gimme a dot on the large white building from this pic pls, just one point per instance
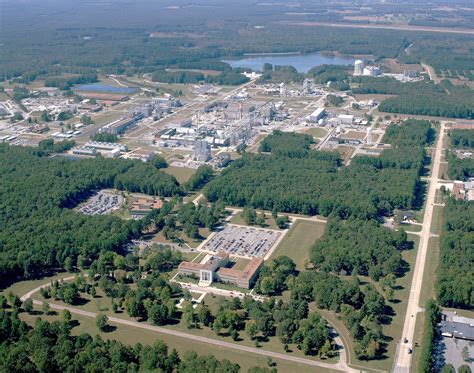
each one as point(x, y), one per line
point(317, 114)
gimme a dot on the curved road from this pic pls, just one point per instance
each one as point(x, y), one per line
point(340, 366)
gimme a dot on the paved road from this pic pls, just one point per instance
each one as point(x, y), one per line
point(340, 366)
point(404, 358)
point(388, 27)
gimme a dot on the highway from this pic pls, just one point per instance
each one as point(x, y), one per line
point(403, 360)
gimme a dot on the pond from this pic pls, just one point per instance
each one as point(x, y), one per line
point(103, 88)
point(302, 62)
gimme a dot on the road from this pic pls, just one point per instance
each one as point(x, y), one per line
point(404, 358)
point(340, 366)
point(387, 27)
point(431, 72)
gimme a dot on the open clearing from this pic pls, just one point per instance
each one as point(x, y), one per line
point(299, 240)
point(182, 174)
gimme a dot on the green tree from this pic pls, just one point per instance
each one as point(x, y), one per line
point(101, 321)
point(28, 305)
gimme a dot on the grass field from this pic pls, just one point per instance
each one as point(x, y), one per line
point(299, 240)
point(269, 221)
point(437, 222)
point(181, 174)
point(130, 336)
point(319, 133)
point(411, 228)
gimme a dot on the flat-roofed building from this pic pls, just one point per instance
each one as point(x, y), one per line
point(206, 270)
point(242, 278)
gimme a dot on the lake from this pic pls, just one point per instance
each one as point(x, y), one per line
point(302, 62)
point(103, 88)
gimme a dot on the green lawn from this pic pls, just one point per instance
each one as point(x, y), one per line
point(269, 221)
point(299, 240)
point(181, 174)
point(317, 132)
point(411, 227)
point(130, 335)
point(437, 222)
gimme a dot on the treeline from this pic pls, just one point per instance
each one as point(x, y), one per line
point(194, 77)
point(462, 138)
point(290, 144)
point(362, 308)
point(359, 247)
point(455, 286)
point(460, 168)
point(432, 315)
point(104, 137)
point(317, 184)
point(420, 98)
point(50, 347)
point(38, 231)
point(65, 83)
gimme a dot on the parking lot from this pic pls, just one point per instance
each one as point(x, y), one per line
point(102, 203)
point(243, 241)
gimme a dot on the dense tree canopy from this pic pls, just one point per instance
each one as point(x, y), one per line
point(316, 182)
point(359, 247)
point(38, 230)
point(456, 270)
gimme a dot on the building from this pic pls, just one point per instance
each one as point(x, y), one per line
point(242, 278)
point(317, 114)
point(92, 152)
point(120, 126)
point(202, 151)
point(206, 270)
point(212, 268)
point(221, 160)
point(109, 146)
point(457, 327)
point(142, 206)
point(346, 119)
point(464, 190)
point(359, 66)
point(372, 71)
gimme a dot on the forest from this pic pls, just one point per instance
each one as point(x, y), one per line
point(462, 138)
point(38, 229)
point(361, 307)
point(51, 347)
point(455, 286)
point(360, 247)
point(149, 37)
point(460, 168)
point(317, 184)
point(420, 98)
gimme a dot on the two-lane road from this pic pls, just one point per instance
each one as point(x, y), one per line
point(404, 356)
